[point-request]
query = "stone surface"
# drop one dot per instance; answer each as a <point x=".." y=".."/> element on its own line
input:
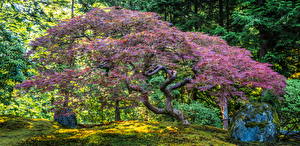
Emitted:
<point x="255" y="122"/>
<point x="66" y="118"/>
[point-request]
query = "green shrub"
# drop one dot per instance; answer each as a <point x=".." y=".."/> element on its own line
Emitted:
<point x="290" y="108"/>
<point x="197" y="113"/>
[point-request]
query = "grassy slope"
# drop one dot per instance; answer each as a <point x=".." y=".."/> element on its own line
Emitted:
<point x="20" y="131"/>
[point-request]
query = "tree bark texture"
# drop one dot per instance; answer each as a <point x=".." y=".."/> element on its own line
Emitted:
<point x="166" y="88"/>
<point x="117" y="111"/>
<point x="224" y="111"/>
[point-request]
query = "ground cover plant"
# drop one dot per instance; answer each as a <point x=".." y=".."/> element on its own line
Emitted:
<point x="22" y="131"/>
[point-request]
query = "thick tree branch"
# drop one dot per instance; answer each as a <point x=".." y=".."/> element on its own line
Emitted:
<point x="171" y="75"/>
<point x="105" y="66"/>
<point x="145" y="101"/>
<point x="144" y="98"/>
<point x="155" y="70"/>
<point x="171" y="78"/>
<point x="167" y="91"/>
<point x="180" y="84"/>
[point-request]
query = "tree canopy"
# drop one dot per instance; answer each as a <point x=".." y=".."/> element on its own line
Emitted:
<point x="115" y="46"/>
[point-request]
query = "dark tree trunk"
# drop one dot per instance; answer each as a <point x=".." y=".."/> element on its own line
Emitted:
<point x="166" y="88"/>
<point x="117" y="111"/>
<point x="66" y="98"/>
<point x="260" y="2"/>
<point x="221" y="13"/>
<point x="169" y="110"/>
<point x="173" y="111"/>
<point x="210" y="10"/>
<point x="227" y="9"/>
<point x="196" y="9"/>
<point x="225" y="117"/>
<point x="263" y="49"/>
<point x="294" y="3"/>
<point x="72" y="9"/>
<point x="268" y="41"/>
<point x="165" y="12"/>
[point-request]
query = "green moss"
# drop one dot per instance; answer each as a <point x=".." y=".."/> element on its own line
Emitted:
<point x="14" y="124"/>
<point x="258" y="124"/>
<point x="14" y="130"/>
<point x="42" y="133"/>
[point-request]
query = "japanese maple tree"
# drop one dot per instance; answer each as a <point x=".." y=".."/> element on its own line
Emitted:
<point x="115" y="46"/>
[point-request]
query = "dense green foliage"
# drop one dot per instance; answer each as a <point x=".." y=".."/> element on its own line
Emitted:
<point x="270" y="30"/>
<point x="290" y="108"/>
<point x="197" y="113"/>
<point x="29" y="18"/>
<point x="32" y="105"/>
<point x="13" y="66"/>
<point x="287" y="107"/>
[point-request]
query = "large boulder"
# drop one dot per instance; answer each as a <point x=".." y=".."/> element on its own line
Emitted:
<point x="256" y="122"/>
<point x="66" y="117"/>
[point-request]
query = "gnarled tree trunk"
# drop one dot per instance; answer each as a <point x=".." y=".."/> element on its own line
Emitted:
<point x="166" y="88"/>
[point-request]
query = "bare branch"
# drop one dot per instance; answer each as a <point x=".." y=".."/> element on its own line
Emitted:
<point x="155" y="70"/>
<point x="145" y="101"/>
<point x="173" y="75"/>
<point x="180" y="84"/>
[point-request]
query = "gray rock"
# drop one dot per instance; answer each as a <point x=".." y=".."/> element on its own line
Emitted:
<point x="66" y="118"/>
<point x="256" y="122"/>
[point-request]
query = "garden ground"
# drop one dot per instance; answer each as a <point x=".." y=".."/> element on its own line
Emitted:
<point x="21" y="131"/>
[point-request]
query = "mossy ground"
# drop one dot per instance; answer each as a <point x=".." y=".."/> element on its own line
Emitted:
<point x="13" y="130"/>
<point x="21" y="131"/>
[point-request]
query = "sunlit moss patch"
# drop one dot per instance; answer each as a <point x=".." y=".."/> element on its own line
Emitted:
<point x="40" y="132"/>
<point x="15" y="130"/>
<point x="134" y="133"/>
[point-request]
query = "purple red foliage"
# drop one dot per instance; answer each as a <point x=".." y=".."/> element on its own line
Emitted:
<point x="133" y="45"/>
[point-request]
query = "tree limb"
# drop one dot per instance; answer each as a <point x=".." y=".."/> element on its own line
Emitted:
<point x="145" y="99"/>
<point x="180" y="84"/>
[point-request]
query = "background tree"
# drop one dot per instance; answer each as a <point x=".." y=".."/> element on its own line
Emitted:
<point x="13" y="66"/>
<point x="270" y="29"/>
<point x="24" y="21"/>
